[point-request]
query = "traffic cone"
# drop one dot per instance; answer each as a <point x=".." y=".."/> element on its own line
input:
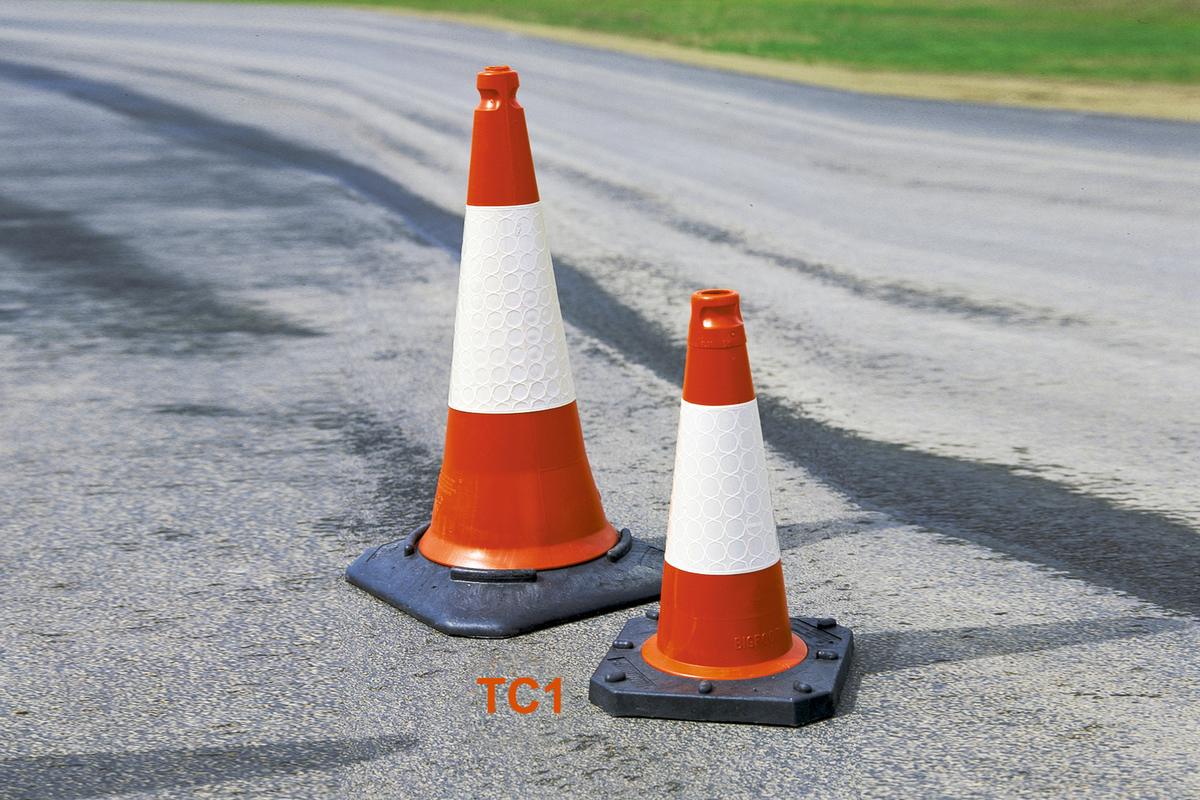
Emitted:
<point x="722" y="647"/>
<point x="518" y="538"/>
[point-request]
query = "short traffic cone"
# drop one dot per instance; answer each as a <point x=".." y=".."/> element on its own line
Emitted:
<point x="722" y="647"/>
<point x="518" y="538"/>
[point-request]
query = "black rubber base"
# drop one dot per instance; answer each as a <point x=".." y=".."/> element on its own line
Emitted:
<point x="624" y="685"/>
<point x="495" y="604"/>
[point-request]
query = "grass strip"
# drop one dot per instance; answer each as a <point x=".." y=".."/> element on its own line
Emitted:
<point x="1099" y="40"/>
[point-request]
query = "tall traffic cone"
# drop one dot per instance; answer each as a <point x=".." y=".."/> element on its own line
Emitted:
<point x="518" y="538"/>
<point x="722" y="647"/>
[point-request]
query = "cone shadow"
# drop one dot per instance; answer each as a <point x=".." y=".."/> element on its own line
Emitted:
<point x="893" y="651"/>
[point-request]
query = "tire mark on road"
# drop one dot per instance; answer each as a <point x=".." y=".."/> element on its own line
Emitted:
<point x="895" y="293"/>
<point x="60" y="249"/>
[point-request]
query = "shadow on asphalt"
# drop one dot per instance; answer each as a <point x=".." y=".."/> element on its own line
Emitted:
<point x="876" y="653"/>
<point x="67" y="777"/>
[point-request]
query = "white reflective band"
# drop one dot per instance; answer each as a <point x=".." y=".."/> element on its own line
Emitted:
<point x="721" y="520"/>
<point x="510" y="352"/>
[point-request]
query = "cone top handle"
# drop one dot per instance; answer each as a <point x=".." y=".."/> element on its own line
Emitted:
<point x="716" y="319"/>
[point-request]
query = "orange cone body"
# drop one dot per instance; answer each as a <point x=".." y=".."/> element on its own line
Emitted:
<point x="724" y="612"/>
<point x="518" y="539"/>
<point x="516" y="490"/>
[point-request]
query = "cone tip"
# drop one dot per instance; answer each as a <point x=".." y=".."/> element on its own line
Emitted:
<point x="716" y="319"/>
<point x="497" y="78"/>
<point x="716" y="296"/>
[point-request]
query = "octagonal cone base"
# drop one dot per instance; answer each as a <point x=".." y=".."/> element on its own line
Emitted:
<point x="624" y="685"/>
<point x="496" y="604"/>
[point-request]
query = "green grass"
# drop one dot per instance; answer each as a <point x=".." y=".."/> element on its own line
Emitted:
<point x="1121" y="40"/>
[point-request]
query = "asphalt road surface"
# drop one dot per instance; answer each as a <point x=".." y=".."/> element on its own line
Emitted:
<point x="228" y="271"/>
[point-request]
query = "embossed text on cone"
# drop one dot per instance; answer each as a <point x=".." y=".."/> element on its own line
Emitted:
<point x="518" y="538"/>
<point x="722" y="647"/>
